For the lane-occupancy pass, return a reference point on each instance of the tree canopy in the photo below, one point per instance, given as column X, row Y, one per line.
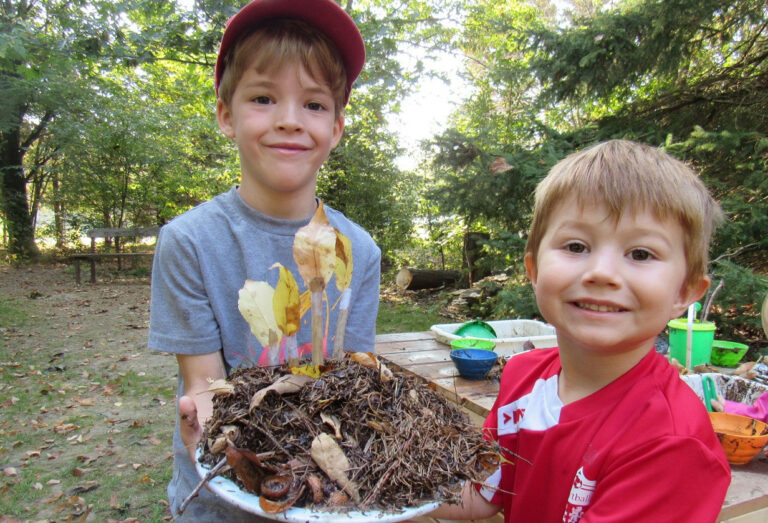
column 108, row 115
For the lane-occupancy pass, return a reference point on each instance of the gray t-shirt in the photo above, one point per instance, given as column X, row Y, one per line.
column 202, row 260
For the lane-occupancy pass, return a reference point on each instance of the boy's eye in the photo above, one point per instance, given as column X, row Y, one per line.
column 640, row 255
column 262, row 100
column 315, row 106
column 576, row 247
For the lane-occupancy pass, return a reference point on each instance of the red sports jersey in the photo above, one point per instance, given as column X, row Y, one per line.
column 640, row 449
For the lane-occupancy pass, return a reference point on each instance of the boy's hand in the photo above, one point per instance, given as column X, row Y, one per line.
column 190, row 428
column 718, row 405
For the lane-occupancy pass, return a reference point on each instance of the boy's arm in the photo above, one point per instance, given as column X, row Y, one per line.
column 472, row 506
column 196, row 406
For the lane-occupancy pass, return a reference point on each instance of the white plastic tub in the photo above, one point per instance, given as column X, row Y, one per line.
column 511, row 335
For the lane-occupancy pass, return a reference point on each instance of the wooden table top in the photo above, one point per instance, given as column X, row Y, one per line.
column 421, row 354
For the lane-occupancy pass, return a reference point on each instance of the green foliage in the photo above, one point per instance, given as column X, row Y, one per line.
column 110, row 113
column 736, row 306
column 733, row 163
column 685, row 75
column 514, row 299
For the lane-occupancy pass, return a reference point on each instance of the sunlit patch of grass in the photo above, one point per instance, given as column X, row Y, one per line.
column 405, row 317
column 13, row 314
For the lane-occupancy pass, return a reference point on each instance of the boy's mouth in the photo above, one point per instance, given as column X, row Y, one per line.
column 598, row 307
column 289, row 146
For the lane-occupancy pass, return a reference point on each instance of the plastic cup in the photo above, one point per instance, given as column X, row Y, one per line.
column 472, row 343
column 701, row 346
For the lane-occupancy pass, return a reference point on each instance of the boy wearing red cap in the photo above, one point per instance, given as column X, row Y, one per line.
column 284, row 73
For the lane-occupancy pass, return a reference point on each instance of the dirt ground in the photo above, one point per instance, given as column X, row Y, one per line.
column 87, row 417
column 87, row 410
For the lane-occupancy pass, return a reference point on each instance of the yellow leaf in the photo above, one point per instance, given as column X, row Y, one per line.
column 306, row 302
column 255, row 304
column 286, row 302
column 343, row 269
column 313, row 371
column 314, row 248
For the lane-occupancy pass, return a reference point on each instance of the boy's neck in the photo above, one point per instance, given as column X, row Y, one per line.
column 583, row 374
column 295, row 206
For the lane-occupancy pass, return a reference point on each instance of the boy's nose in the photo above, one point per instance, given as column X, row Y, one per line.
column 602, row 269
column 287, row 118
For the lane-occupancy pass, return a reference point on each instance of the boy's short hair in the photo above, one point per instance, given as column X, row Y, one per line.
column 630, row 177
column 316, row 34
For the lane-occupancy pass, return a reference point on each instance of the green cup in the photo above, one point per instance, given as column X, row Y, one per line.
column 701, row 346
column 471, row 343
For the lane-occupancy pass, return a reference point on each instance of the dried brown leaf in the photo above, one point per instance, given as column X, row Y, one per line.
column 246, row 471
column 314, row 248
column 332, row 460
column 284, row 385
column 220, row 386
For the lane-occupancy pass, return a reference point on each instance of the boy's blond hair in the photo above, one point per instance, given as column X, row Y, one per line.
column 282, row 41
column 629, row 177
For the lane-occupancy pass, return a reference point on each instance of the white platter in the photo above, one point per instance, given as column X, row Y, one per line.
column 511, row 335
column 229, row 491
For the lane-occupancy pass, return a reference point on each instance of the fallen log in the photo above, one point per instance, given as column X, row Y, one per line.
column 415, row 279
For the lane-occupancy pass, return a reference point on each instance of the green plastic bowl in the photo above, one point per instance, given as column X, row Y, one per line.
column 476, row 329
column 472, row 343
column 727, row 353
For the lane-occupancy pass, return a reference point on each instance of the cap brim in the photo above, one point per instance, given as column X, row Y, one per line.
column 329, row 18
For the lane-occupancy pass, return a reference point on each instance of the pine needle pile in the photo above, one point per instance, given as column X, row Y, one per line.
column 405, row 444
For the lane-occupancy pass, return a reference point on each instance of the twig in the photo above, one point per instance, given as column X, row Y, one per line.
column 210, row 475
column 711, row 300
column 731, row 254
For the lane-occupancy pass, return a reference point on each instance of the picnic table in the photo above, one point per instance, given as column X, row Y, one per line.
column 419, row 353
column 116, row 234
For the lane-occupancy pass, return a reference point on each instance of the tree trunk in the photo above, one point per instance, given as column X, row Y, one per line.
column 58, row 212
column 415, row 279
column 13, row 196
column 473, row 252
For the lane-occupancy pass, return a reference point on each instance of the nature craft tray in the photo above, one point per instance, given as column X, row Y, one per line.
column 733, row 388
column 511, row 335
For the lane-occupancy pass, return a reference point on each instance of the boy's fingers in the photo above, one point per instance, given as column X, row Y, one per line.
column 188, row 412
column 189, row 426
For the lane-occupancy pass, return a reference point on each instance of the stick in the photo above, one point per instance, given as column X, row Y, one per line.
column 316, row 287
column 711, row 300
column 210, row 475
column 341, row 324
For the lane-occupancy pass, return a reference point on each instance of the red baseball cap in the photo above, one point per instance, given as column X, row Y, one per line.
column 326, row 15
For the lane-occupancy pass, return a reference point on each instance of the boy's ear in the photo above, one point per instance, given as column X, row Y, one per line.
column 688, row 294
column 224, row 119
column 530, row 269
column 338, row 130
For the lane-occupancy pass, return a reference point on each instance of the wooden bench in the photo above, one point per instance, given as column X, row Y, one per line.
column 117, row 234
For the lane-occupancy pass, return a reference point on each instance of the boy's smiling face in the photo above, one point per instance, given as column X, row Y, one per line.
column 284, row 124
column 610, row 286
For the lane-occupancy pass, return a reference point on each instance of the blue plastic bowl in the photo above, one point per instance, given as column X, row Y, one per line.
column 473, row 364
